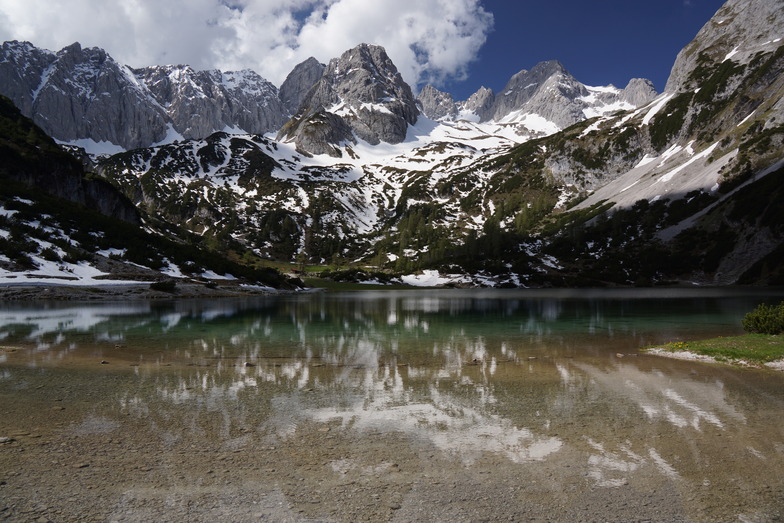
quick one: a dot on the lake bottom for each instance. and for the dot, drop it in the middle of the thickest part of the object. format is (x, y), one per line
(387, 406)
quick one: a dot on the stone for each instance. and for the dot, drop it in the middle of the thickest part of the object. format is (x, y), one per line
(741, 27)
(360, 94)
(299, 82)
(436, 105)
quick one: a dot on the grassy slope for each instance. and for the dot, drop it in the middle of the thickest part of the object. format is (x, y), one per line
(755, 349)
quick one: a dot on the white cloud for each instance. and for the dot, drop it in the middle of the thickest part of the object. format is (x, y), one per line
(429, 40)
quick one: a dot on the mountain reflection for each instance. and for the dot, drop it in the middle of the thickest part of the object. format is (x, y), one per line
(525, 379)
(388, 319)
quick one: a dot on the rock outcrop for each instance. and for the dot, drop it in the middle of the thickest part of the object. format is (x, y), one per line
(298, 83)
(479, 104)
(739, 30)
(81, 93)
(548, 93)
(364, 89)
(436, 105)
(638, 92)
(202, 102)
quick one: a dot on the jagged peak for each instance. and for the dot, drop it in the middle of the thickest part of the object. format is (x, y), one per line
(23, 46)
(75, 47)
(549, 67)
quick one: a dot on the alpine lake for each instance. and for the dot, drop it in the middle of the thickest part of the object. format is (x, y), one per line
(422, 405)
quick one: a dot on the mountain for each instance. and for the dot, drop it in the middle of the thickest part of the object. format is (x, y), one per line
(61, 226)
(81, 94)
(299, 81)
(546, 97)
(33, 159)
(361, 95)
(198, 103)
(549, 182)
(436, 105)
(739, 31)
(84, 97)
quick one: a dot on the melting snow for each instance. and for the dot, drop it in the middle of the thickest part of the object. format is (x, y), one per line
(95, 148)
(429, 278)
(656, 108)
(731, 54)
(667, 177)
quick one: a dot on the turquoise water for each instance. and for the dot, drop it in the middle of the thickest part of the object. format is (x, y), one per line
(546, 385)
(412, 325)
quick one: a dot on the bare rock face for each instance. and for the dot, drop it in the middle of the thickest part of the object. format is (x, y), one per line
(436, 105)
(22, 66)
(202, 102)
(83, 93)
(480, 104)
(638, 92)
(298, 83)
(364, 89)
(547, 89)
(739, 30)
(550, 92)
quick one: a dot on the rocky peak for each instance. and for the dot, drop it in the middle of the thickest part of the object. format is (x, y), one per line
(738, 31)
(435, 104)
(202, 102)
(84, 93)
(22, 66)
(480, 104)
(543, 89)
(639, 91)
(300, 80)
(365, 90)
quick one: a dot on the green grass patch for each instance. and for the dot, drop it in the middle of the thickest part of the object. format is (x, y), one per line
(753, 348)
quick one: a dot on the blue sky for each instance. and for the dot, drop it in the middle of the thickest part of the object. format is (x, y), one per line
(457, 45)
(598, 41)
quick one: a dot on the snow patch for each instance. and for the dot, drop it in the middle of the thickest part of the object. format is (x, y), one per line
(656, 108)
(730, 54)
(95, 148)
(429, 278)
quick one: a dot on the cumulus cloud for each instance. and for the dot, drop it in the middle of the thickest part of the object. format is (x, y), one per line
(429, 40)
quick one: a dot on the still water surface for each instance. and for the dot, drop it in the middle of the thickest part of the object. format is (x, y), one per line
(384, 405)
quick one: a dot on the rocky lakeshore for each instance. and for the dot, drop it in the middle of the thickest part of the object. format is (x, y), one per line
(129, 291)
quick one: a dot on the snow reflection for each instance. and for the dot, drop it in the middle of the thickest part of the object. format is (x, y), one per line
(470, 374)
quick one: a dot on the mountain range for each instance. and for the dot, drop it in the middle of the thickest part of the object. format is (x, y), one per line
(547, 182)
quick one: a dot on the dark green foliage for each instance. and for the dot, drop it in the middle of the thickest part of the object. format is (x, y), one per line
(765, 319)
(668, 123)
(96, 231)
(712, 78)
(357, 276)
(25, 148)
(164, 286)
(769, 270)
(212, 154)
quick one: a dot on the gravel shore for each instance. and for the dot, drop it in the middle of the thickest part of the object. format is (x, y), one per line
(132, 291)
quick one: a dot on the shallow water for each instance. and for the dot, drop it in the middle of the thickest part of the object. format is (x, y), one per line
(421, 405)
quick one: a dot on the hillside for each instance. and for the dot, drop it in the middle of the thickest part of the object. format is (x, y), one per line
(59, 226)
(550, 182)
